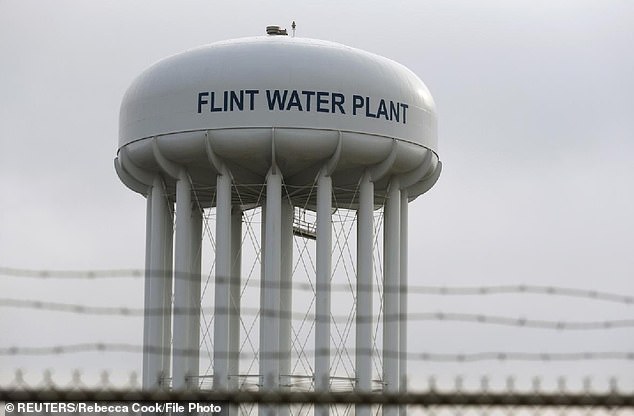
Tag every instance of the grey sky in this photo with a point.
(536, 132)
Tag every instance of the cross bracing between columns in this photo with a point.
(341, 249)
(378, 294)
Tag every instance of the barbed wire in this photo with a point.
(519, 322)
(415, 356)
(122, 311)
(425, 290)
(430, 398)
(72, 274)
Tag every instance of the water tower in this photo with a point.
(272, 123)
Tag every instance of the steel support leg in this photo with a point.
(365, 247)
(157, 326)
(183, 282)
(391, 282)
(235, 287)
(402, 359)
(223, 275)
(322, 300)
(270, 289)
(286, 299)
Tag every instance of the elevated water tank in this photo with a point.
(275, 98)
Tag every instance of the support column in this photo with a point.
(402, 359)
(193, 370)
(147, 291)
(286, 299)
(168, 262)
(235, 287)
(157, 320)
(183, 282)
(223, 274)
(270, 287)
(322, 300)
(235, 292)
(391, 281)
(365, 243)
(286, 292)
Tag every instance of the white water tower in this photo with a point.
(274, 123)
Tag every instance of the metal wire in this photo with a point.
(121, 311)
(426, 290)
(420, 356)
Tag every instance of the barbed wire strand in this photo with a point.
(415, 356)
(425, 290)
(122, 311)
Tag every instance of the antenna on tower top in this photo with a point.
(293, 26)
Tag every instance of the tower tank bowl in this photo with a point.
(276, 102)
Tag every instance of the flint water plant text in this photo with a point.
(304, 101)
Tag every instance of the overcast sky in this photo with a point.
(536, 135)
